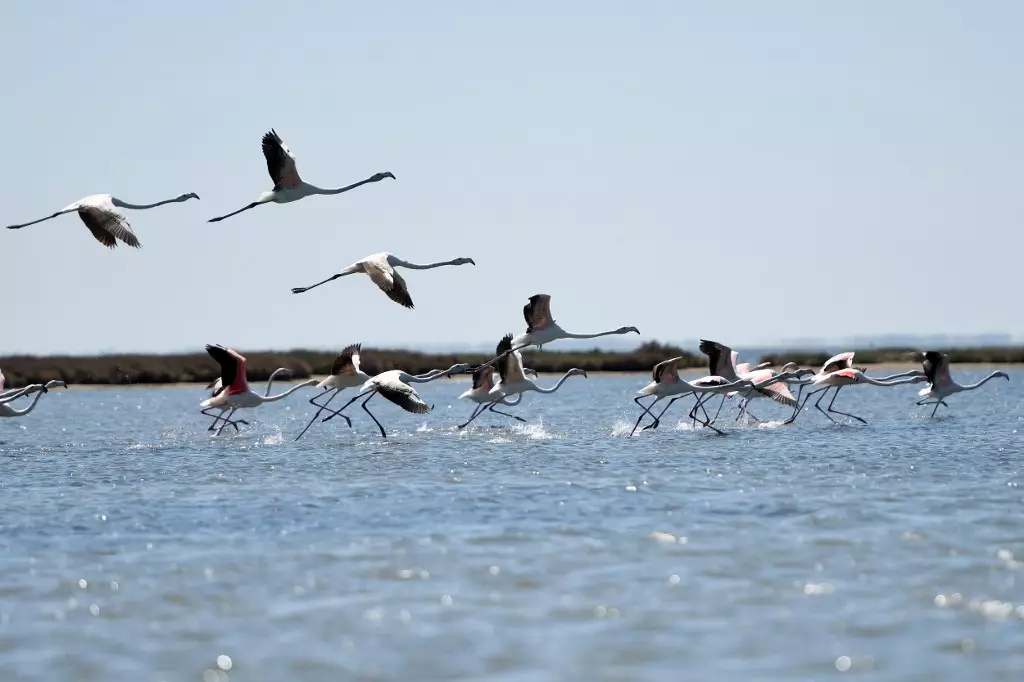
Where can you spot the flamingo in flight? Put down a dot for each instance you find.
(288, 186)
(541, 327)
(940, 382)
(380, 268)
(107, 224)
(395, 385)
(7, 410)
(722, 362)
(235, 393)
(217, 385)
(345, 373)
(483, 383)
(836, 363)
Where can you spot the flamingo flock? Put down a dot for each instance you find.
(501, 381)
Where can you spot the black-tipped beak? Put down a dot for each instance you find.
(585, 374)
(390, 175)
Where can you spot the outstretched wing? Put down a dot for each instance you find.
(503, 356)
(719, 358)
(936, 368)
(229, 362)
(388, 281)
(106, 225)
(779, 391)
(347, 361)
(838, 362)
(667, 372)
(538, 313)
(403, 395)
(280, 161)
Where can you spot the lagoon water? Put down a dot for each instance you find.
(133, 546)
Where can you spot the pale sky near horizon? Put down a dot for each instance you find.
(744, 171)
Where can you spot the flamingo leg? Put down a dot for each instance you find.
(721, 404)
(657, 420)
(504, 414)
(227, 420)
(845, 414)
(365, 409)
(936, 408)
(477, 411)
(338, 413)
(321, 408)
(646, 410)
(334, 413)
(219, 417)
(817, 403)
(706, 422)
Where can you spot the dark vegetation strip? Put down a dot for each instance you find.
(198, 367)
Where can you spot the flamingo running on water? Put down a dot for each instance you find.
(7, 410)
(541, 327)
(380, 267)
(288, 186)
(107, 224)
(849, 377)
(236, 393)
(483, 383)
(722, 362)
(513, 379)
(345, 373)
(940, 382)
(217, 385)
(395, 386)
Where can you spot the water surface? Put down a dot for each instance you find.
(133, 546)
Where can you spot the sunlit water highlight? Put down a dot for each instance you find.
(135, 546)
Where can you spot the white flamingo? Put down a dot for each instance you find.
(541, 327)
(288, 186)
(837, 362)
(7, 410)
(722, 362)
(380, 267)
(849, 377)
(483, 383)
(513, 379)
(217, 385)
(237, 394)
(940, 382)
(796, 377)
(345, 373)
(394, 385)
(107, 224)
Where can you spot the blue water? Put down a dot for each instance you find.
(133, 546)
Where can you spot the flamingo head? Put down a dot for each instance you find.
(463, 261)
(1003, 375)
(377, 177)
(626, 330)
(186, 197)
(576, 372)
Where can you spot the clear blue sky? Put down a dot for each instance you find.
(746, 171)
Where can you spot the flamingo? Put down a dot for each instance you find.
(849, 377)
(940, 383)
(483, 382)
(722, 361)
(380, 267)
(394, 385)
(513, 379)
(837, 362)
(39, 389)
(237, 393)
(345, 373)
(288, 186)
(541, 327)
(107, 224)
(218, 385)
(796, 376)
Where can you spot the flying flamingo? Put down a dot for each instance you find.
(107, 224)
(39, 389)
(541, 327)
(237, 395)
(513, 379)
(345, 373)
(380, 267)
(849, 377)
(940, 383)
(483, 382)
(218, 385)
(288, 186)
(394, 385)
(722, 362)
(837, 362)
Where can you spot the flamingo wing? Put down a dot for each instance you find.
(347, 362)
(107, 226)
(837, 362)
(401, 394)
(230, 363)
(483, 377)
(280, 161)
(778, 391)
(936, 368)
(743, 368)
(388, 281)
(721, 358)
(667, 372)
(538, 313)
(2, 381)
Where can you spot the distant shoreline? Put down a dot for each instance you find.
(197, 370)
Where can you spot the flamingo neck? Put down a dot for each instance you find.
(285, 394)
(125, 204)
(313, 189)
(19, 413)
(556, 386)
(569, 335)
(398, 262)
(979, 384)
